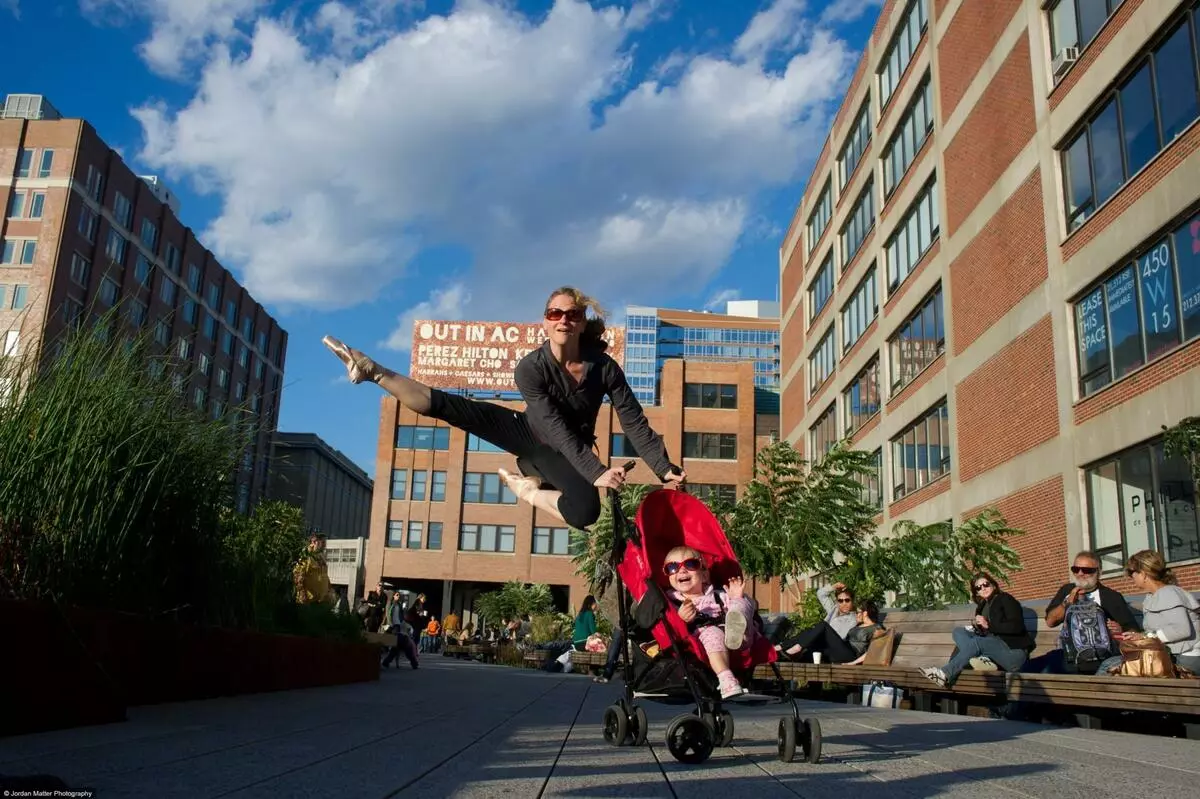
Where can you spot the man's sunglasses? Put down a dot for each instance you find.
(1084, 570)
(691, 564)
(573, 315)
(844, 600)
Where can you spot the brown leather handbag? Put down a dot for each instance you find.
(1146, 657)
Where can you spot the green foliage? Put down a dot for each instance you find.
(547, 627)
(513, 600)
(1183, 441)
(811, 611)
(258, 555)
(112, 484)
(317, 620)
(795, 516)
(593, 548)
(930, 566)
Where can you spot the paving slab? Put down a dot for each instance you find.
(463, 729)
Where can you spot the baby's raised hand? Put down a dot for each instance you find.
(736, 588)
(687, 610)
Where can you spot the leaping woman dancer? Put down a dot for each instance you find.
(563, 384)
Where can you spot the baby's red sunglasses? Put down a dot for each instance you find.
(691, 564)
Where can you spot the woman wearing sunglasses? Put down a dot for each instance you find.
(997, 634)
(563, 383)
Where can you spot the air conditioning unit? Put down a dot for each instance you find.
(1064, 60)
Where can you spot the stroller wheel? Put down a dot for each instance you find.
(722, 724)
(787, 739)
(810, 740)
(690, 739)
(640, 726)
(616, 725)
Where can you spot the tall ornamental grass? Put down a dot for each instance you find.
(111, 482)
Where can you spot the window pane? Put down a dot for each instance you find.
(1187, 254)
(1138, 120)
(1107, 164)
(921, 449)
(560, 542)
(910, 460)
(416, 532)
(1104, 506)
(1123, 323)
(435, 535)
(1063, 32)
(508, 536)
(441, 438)
(1093, 341)
(487, 538)
(422, 437)
(1137, 491)
(1092, 15)
(1175, 72)
(1177, 504)
(1156, 274)
(1079, 179)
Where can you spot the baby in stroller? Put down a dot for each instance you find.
(720, 618)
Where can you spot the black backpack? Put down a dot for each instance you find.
(1085, 637)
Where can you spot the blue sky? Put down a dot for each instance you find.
(361, 164)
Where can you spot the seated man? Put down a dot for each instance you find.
(1092, 615)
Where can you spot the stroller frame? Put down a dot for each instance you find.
(690, 737)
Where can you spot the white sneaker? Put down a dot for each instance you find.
(735, 630)
(731, 689)
(984, 664)
(934, 675)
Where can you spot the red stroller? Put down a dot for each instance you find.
(679, 673)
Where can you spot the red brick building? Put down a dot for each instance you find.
(442, 523)
(993, 277)
(82, 234)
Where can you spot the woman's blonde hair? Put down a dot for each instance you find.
(593, 328)
(1151, 564)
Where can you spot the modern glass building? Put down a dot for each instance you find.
(749, 331)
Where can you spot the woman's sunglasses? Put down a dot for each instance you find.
(573, 315)
(982, 586)
(691, 564)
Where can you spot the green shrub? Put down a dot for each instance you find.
(811, 611)
(547, 627)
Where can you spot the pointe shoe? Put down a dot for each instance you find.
(358, 366)
(523, 487)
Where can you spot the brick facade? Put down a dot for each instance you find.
(968, 42)
(1038, 511)
(1005, 407)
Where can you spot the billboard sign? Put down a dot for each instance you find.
(481, 356)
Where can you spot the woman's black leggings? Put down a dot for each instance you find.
(822, 638)
(510, 430)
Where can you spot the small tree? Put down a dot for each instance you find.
(513, 600)
(1183, 441)
(797, 517)
(593, 548)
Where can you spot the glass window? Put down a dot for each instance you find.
(47, 164)
(551, 541)
(913, 237)
(862, 219)
(24, 163)
(16, 205)
(823, 435)
(900, 51)
(1139, 120)
(468, 537)
(1140, 499)
(860, 311)
(420, 485)
(860, 401)
(435, 536)
(912, 130)
(821, 362)
(477, 444)
(1074, 23)
(20, 297)
(1134, 316)
(416, 532)
(710, 492)
(707, 395)
(399, 483)
(622, 447)
(917, 342)
(710, 446)
(438, 494)
(872, 493)
(1175, 77)
(821, 290)
(856, 144)
(395, 534)
(818, 220)
(921, 453)
(486, 488)
(422, 437)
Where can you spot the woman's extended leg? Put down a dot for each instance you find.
(410, 393)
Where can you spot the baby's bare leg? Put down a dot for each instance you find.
(718, 660)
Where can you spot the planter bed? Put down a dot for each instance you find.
(88, 667)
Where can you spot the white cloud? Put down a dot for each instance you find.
(847, 10)
(12, 6)
(718, 300)
(779, 26)
(183, 32)
(523, 140)
(446, 304)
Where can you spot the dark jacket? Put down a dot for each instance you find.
(563, 415)
(1006, 621)
(1111, 602)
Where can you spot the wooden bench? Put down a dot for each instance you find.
(487, 652)
(924, 638)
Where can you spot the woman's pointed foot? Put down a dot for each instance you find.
(358, 366)
(523, 487)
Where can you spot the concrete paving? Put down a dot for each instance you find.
(462, 729)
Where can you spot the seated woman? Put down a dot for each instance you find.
(851, 650)
(998, 634)
(840, 619)
(702, 605)
(585, 623)
(1169, 613)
